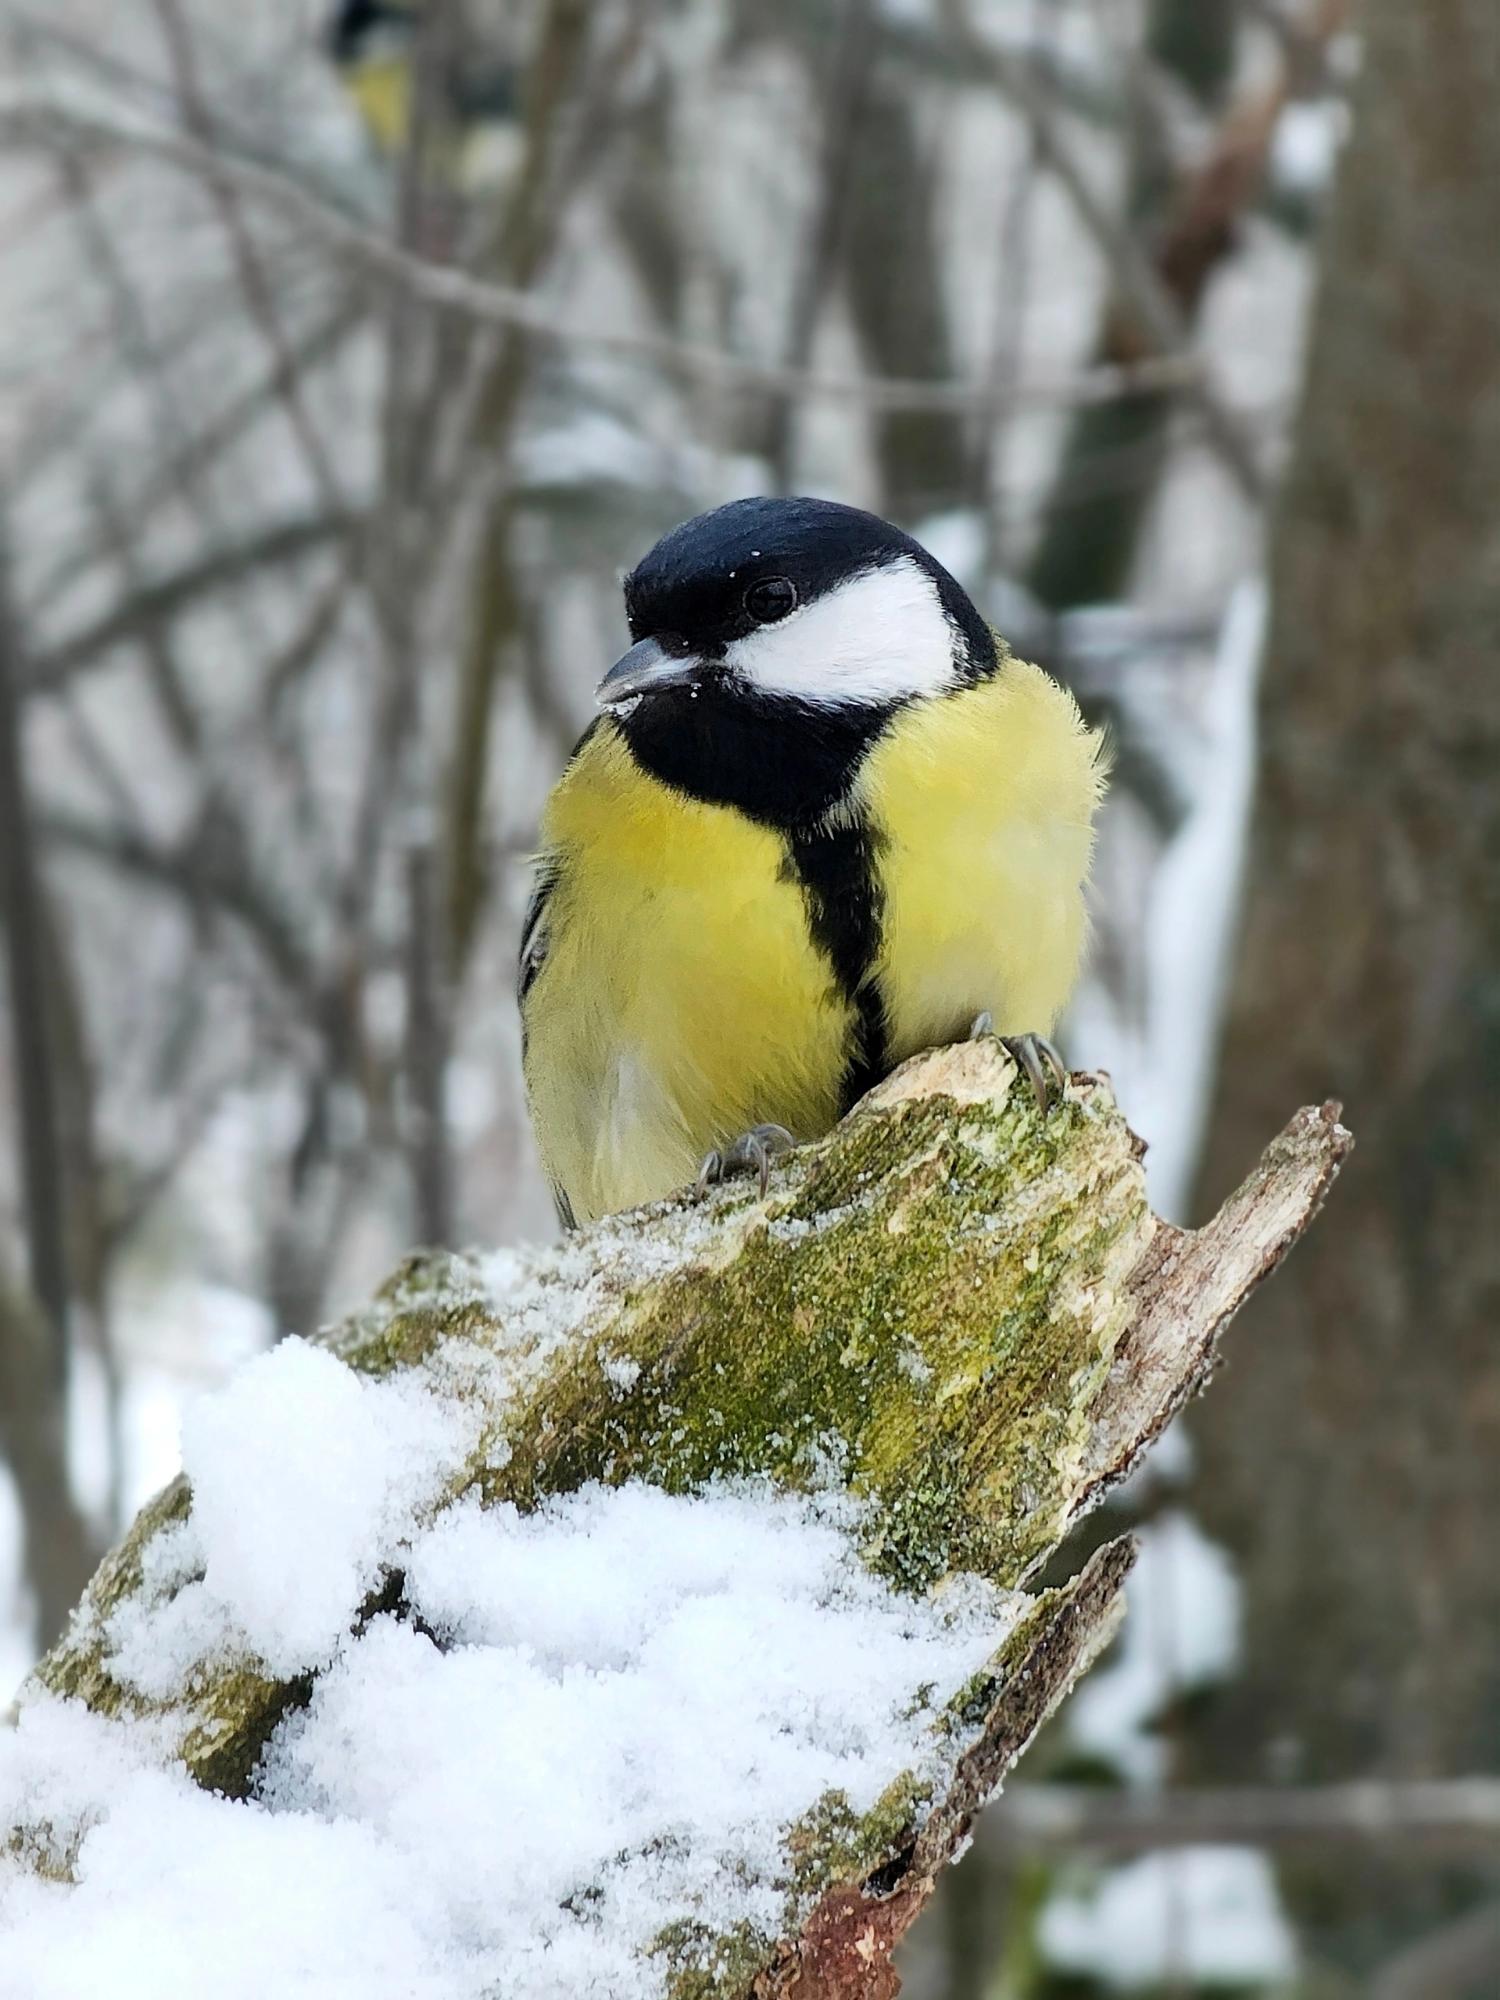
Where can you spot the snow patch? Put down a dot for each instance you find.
(599, 1721)
(1163, 1069)
(1198, 1916)
(1182, 1633)
(302, 1473)
(620, 1372)
(1306, 143)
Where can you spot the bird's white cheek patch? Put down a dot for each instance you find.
(879, 637)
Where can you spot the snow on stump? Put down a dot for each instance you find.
(645, 1616)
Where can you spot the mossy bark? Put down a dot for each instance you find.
(959, 1309)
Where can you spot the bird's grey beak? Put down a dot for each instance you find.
(647, 667)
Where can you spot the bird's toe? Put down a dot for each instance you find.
(751, 1153)
(1042, 1066)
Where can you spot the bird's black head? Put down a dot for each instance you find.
(774, 640)
(358, 28)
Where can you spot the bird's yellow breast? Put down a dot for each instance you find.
(984, 805)
(681, 1000)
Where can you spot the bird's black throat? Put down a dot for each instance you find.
(783, 762)
(790, 766)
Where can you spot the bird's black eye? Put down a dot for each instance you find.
(772, 598)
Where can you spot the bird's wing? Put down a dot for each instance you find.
(533, 955)
(533, 951)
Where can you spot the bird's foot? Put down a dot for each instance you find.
(751, 1153)
(1037, 1059)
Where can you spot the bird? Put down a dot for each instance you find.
(373, 46)
(823, 820)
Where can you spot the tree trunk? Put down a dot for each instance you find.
(1356, 1467)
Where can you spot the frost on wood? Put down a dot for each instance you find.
(643, 1616)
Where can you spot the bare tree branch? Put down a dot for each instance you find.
(248, 262)
(304, 352)
(1144, 293)
(195, 872)
(37, 116)
(1451, 1814)
(191, 484)
(159, 601)
(845, 91)
(495, 619)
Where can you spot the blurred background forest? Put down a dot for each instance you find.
(347, 358)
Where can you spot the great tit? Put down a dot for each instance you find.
(373, 44)
(824, 821)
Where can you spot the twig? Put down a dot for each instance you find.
(248, 263)
(531, 225)
(1003, 360)
(90, 1189)
(1459, 1813)
(845, 93)
(163, 670)
(34, 115)
(280, 542)
(1304, 46)
(196, 874)
(192, 485)
(395, 551)
(1136, 280)
(305, 351)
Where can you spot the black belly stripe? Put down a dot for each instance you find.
(836, 869)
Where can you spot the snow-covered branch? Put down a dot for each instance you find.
(647, 1615)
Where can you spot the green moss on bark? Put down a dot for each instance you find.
(927, 1315)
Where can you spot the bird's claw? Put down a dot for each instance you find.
(1037, 1059)
(751, 1153)
(1041, 1065)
